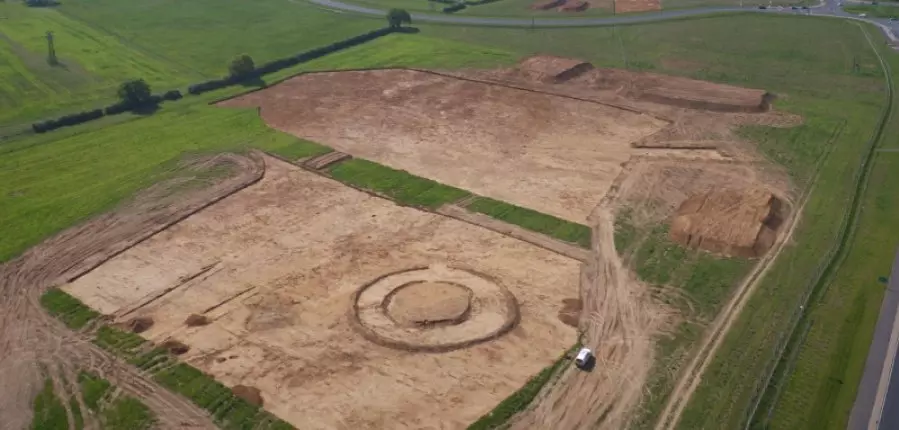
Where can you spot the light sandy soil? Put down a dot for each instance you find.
(30, 339)
(280, 262)
(554, 154)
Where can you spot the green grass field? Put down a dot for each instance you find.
(532, 220)
(879, 11)
(821, 390)
(397, 185)
(734, 376)
(101, 43)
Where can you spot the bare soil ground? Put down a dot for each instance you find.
(684, 150)
(275, 267)
(554, 154)
(626, 6)
(31, 340)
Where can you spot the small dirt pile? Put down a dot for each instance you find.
(732, 222)
(551, 69)
(175, 347)
(429, 303)
(138, 324)
(194, 320)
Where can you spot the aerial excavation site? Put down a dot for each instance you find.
(413, 231)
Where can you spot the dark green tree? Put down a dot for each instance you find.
(135, 92)
(241, 66)
(397, 17)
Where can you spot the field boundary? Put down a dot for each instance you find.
(834, 259)
(258, 175)
(532, 237)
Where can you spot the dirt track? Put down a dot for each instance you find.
(31, 339)
(618, 321)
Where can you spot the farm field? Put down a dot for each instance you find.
(101, 44)
(105, 162)
(296, 256)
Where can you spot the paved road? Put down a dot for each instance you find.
(825, 8)
(877, 402)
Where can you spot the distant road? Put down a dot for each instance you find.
(877, 402)
(825, 8)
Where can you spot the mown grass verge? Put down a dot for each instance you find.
(398, 185)
(694, 282)
(228, 411)
(532, 220)
(112, 411)
(67, 309)
(49, 412)
(520, 399)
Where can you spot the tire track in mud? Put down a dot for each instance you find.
(32, 342)
(618, 321)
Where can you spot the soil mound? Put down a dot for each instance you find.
(733, 222)
(194, 320)
(175, 347)
(574, 6)
(429, 303)
(551, 69)
(138, 324)
(251, 394)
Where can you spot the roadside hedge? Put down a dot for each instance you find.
(66, 120)
(283, 63)
(454, 8)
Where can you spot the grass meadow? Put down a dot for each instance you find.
(49, 182)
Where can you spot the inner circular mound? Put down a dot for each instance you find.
(429, 303)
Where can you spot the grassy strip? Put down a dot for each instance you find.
(702, 282)
(878, 11)
(520, 399)
(67, 309)
(840, 319)
(229, 411)
(121, 413)
(49, 412)
(398, 185)
(532, 220)
(301, 149)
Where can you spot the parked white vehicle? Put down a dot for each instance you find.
(583, 358)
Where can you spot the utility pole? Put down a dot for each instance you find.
(51, 50)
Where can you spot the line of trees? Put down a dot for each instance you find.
(136, 95)
(133, 95)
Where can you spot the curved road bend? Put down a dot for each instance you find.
(825, 8)
(877, 404)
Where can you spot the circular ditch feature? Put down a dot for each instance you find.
(433, 309)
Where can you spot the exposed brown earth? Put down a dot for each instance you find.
(428, 303)
(628, 6)
(276, 267)
(31, 339)
(250, 394)
(736, 223)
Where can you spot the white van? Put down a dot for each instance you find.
(582, 360)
